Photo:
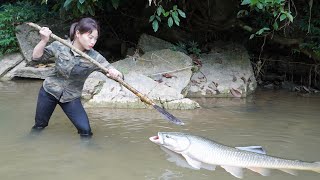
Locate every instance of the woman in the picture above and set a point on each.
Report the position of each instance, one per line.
(64, 87)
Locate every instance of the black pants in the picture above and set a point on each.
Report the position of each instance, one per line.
(73, 109)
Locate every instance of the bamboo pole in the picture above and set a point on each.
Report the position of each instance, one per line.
(143, 97)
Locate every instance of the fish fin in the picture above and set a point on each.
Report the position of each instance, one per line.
(290, 171)
(208, 166)
(176, 158)
(194, 163)
(255, 149)
(180, 161)
(262, 171)
(235, 171)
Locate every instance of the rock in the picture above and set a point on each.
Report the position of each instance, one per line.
(150, 43)
(161, 75)
(33, 72)
(28, 38)
(113, 95)
(8, 62)
(226, 72)
(11, 74)
(15, 66)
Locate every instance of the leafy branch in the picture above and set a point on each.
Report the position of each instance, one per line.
(172, 16)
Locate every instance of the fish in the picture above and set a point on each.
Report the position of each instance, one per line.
(201, 152)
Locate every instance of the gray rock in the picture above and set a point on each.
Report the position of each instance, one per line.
(33, 72)
(14, 66)
(161, 75)
(28, 38)
(113, 95)
(226, 72)
(8, 62)
(11, 74)
(150, 43)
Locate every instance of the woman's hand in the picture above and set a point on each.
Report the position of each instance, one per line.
(45, 34)
(39, 48)
(114, 73)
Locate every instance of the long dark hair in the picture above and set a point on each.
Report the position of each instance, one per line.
(83, 26)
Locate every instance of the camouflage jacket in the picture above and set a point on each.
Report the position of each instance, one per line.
(71, 71)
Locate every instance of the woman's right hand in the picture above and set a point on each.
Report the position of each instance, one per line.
(45, 33)
(39, 48)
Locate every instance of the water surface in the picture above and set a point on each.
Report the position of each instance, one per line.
(285, 124)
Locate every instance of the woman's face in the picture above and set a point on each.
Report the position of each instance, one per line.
(88, 40)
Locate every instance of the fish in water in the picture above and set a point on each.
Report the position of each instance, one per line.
(201, 152)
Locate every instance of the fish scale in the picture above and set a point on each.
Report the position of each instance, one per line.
(235, 157)
(199, 150)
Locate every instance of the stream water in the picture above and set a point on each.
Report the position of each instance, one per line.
(285, 124)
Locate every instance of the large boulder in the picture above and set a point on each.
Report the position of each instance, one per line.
(225, 72)
(28, 38)
(161, 75)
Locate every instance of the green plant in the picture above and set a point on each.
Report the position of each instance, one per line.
(310, 24)
(78, 8)
(277, 14)
(12, 15)
(171, 15)
(190, 48)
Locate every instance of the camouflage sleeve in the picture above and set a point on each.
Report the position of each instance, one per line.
(104, 63)
(48, 54)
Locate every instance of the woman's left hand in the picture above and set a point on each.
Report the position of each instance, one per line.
(114, 73)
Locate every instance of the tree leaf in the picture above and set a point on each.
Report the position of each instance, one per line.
(175, 7)
(174, 14)
(115, 4)
(91, 11)
(151, 18)
(81, 1)
(245, 2)
(236, 92)
(176, 18)
(66, 3)
(158, 18)
(181, 13)
(275, 25)
(159, 10)
(166, 14)
(155, 25)
(260, 5)
(275, 13)
(282, 17)
(251, 36)
(290, 17)
(170, 22)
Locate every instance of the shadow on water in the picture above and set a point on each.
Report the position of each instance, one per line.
(286, 125)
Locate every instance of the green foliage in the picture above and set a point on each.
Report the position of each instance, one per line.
(171, 15)
(14, 14)
(191, 47)
(78, 8)
(277, 11)
(310, 24)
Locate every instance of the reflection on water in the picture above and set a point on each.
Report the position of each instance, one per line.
(285, 124)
